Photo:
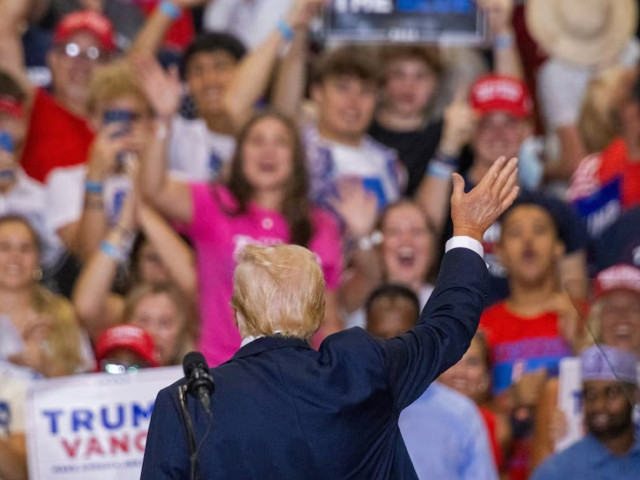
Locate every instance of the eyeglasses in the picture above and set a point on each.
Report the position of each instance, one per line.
(73, 50)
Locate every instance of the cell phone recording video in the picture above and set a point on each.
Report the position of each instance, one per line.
(124, 117)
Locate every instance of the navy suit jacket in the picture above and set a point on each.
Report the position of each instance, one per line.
(282, 410)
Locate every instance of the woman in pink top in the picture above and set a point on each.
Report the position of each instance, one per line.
(265, 201)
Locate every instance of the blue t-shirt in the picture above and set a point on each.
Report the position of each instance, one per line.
(589, 459)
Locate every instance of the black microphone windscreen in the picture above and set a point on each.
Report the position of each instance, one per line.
(193, 360)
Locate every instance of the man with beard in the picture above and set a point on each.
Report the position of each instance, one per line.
(611, 448)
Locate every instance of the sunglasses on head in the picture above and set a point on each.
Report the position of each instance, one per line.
(73, 50)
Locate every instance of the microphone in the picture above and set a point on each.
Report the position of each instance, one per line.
(199, 380)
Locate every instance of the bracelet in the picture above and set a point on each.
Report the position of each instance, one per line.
(503, 41)
(170, 10)
(440, 169)
(93, 187)
(450, 160)
(285, 30)
(110, 250)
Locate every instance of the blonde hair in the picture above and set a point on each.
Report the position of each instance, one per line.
(64, 339)
(278, 289)
(186, 315)
(114, 81)
(597, 123)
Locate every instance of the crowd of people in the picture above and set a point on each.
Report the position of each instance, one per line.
(145, 143)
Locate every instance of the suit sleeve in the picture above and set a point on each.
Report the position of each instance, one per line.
(166, 454)
(444, 330)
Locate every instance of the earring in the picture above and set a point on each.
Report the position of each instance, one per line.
(37, 274)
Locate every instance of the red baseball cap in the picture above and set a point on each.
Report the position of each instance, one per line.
(128, 337)
(86, 21)
(618, 277)
(500, 93)
(11, 106)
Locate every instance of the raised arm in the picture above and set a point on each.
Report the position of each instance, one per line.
(451, 316)
(358, 209)
(103, 161)
(96, 307)
(151, 36)
(14, 15)
(254, 72)
(506, 57)
(435, 188)
(176, 255)
(171, 197)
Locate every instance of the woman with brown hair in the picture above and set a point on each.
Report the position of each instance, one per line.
(265, 201)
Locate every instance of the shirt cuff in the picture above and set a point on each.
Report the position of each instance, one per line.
(461, 241)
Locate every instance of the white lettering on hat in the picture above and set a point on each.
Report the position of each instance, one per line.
(498, 88)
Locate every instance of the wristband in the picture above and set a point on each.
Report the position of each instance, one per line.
(285, 30)
(110, 250)
(93, 187)
(440, 169)
(449, 160)
(503, 41)
(170, 10)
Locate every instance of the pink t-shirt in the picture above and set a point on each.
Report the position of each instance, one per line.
(218, 236)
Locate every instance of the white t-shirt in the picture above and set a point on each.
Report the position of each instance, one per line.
(562, 86)
(197, 154)
(65, 195)
(374, 164)
(249, 20)
(28, 199)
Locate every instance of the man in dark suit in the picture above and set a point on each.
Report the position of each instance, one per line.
(282, 410)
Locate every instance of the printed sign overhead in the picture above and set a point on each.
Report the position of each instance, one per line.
(433, 21)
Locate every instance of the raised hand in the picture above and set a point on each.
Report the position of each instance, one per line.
(104, 151)
(459, 125)
(163, 89)
(499, 14)
(302, 12)
(357, 206)
(474, 212)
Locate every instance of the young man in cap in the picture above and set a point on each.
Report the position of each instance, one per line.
(611, 448)
(503, 107)
(58, 132)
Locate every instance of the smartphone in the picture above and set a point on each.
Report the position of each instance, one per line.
(125, 117)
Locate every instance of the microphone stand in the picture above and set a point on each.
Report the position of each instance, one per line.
(193, 450)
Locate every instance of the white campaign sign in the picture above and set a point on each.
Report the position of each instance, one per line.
(569, 401)
(92, 427)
